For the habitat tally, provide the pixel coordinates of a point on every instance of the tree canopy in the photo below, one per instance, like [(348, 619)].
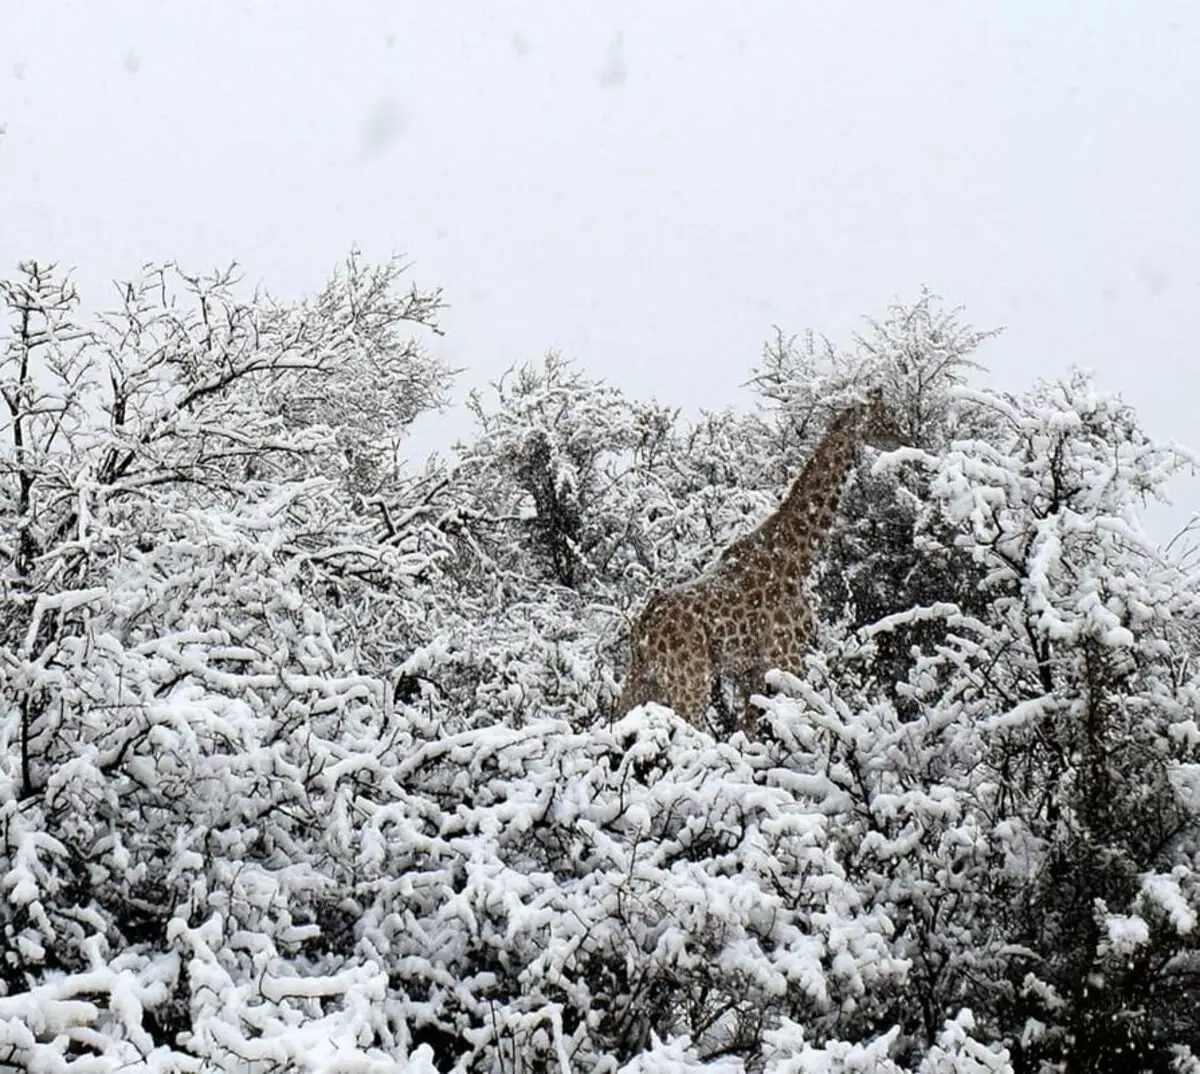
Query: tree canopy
[(308, 752)]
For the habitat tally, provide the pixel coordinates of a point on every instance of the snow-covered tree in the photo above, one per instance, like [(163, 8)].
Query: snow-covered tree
[(558, 454), (1026, 816), (187, 571), (306, 760)]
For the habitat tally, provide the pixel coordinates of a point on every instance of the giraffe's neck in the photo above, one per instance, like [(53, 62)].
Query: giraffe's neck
[(803, 519)]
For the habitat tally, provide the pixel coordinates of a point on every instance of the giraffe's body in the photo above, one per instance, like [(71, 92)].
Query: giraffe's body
[(751, 611)]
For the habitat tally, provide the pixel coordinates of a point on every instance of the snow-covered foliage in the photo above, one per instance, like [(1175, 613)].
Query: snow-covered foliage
[(307, 759)]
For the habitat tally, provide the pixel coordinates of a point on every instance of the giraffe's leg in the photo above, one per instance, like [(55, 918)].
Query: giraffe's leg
[(630, 688), (784, 647), (692, 689), (750, 683), (649, 655), (670, 662)]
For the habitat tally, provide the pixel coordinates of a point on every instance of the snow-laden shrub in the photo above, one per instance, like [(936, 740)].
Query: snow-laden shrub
[(1023, 802), (306, 763), (558, 462)]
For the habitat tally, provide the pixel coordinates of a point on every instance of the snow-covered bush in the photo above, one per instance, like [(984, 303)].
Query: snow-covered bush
[(186, 575), (555, 458), (305, 758), (1022, 801)]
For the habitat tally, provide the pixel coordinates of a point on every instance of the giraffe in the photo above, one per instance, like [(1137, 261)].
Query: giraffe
[(751, 610)]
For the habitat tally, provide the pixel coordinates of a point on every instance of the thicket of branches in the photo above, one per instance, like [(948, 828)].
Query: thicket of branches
[(307, 751)]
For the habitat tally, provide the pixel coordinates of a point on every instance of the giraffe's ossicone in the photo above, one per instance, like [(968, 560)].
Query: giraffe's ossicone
[(751, 610)]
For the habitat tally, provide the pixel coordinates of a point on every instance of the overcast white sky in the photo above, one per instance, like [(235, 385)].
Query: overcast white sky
[(646, 187)]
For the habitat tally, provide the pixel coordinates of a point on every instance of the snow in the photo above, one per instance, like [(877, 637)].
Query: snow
[(1126, 933), (308, 760), (1166, 893)]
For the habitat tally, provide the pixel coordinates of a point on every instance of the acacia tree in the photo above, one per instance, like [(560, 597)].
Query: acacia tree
[(187, 393), (558, 459), (186, 385), (1088, 740)]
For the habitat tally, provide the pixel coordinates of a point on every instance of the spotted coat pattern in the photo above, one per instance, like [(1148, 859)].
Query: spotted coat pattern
[(751, 611)]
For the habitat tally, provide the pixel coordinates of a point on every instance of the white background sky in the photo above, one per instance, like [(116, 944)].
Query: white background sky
[(645, 187)]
